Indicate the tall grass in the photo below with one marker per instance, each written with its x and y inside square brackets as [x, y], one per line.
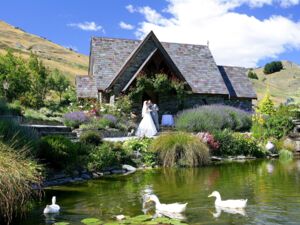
[17, 177]
[180, 149]
[213, 117]
[12, 133]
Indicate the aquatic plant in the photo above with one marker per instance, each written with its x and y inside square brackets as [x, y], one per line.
[180, 148]
[285, 155]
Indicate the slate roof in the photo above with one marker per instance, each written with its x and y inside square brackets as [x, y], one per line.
[237, 82]
[86, 87]
[195, 63]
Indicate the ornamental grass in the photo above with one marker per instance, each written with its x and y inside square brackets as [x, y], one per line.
[181, 149]
[18, 175]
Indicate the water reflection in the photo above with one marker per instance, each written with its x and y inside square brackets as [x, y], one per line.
[219, 211]
[51, 218]
[271, 187]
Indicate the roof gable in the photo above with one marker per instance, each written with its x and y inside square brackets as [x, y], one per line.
[237, 82]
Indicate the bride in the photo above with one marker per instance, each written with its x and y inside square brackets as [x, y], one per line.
[146, 127]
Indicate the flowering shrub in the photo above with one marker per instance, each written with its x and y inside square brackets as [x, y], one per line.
[237, 144]
[111, 118]
[209, 140]
[213, 117]
[74, 119]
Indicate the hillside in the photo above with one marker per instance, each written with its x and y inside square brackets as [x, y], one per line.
[53, 55]
[282, 85]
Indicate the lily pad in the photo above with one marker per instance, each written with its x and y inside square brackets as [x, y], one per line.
[91, 221]
[62, 223]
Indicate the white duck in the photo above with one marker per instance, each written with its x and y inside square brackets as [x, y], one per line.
[53, 208]
[236, 204]
[171, 208]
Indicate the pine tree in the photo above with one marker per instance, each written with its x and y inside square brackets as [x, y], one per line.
[266, 105]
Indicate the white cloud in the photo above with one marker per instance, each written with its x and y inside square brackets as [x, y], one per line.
[71, 47]
[130, 8]
[235, 38]
[126, 26]
[87, 26]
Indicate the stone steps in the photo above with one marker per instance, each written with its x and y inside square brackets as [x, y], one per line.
[45, 130]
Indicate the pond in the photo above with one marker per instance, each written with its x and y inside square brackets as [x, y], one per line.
[271, 187]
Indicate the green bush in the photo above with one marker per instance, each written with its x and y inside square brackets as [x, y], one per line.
[213, 117]
[91, 137]
[107, 155]
[273, 67]
[233, 144]
[252, 74]
[17, 177]
[59, 152]
[10, 109]
[182, 149]
[138, 149]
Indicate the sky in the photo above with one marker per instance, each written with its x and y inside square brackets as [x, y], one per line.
[246, 33]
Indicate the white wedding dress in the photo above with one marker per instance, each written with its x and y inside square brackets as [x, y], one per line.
[146, 127]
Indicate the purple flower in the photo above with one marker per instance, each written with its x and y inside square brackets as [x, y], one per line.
[76, 116]
[112, 119]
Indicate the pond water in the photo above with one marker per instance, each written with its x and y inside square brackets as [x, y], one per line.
[271, 187]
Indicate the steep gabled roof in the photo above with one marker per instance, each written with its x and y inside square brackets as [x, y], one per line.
[86, 87]
[195, 63]
[237, 82]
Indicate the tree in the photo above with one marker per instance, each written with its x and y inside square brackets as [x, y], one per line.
[40, 81]
[273, 67]
[252, 74]
[266, 105]
[13, 72]
[58, 83]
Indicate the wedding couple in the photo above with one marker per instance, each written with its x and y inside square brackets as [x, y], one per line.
[149, 126]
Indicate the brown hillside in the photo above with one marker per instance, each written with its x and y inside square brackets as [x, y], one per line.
[53, 55]
[282, 85]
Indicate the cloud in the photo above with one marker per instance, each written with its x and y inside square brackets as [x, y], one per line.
[126, 26]
[71, 47]
[87, 26]
[130, 8]
[235, 38]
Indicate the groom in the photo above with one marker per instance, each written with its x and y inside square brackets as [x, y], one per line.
[154, 113]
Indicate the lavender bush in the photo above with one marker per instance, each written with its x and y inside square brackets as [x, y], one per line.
[213, 117]
[74, 119]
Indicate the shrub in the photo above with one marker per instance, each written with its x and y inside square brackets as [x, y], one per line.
[180, 149]
[91, 137]
[59, 152]
[10, 109]
[266, 105]
[232, 144]
[17, 178]
[213, 117]
[107, 155]
[138, 149]
[110, 120]
[273, 67]
[74, 119]
[209, 140]
[252, 74]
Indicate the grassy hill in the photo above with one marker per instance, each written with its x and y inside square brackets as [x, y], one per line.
[282, 85]
[53, 55]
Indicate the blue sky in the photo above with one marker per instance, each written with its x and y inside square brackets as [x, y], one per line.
[59, 21]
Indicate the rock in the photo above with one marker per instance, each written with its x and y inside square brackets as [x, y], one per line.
[270, 146]
[215, 158]
[120, 217]
[77, 179]
[128, 168]
[59, 176]
[241, 157]
[118, 171]
[85, 176]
